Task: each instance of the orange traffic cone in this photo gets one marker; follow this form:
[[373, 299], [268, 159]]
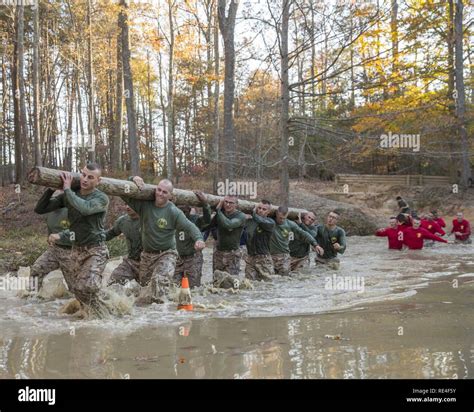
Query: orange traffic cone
[[184, 298]]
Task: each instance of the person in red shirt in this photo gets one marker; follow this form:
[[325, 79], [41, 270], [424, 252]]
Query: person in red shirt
[[438, 219], [461, 229], [413, 236], [393, 233], [431, 226]]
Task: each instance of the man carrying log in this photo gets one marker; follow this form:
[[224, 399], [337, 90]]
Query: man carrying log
[[159, 220], [129, 225], [191, 260], [299, 247], [230, 223], [57, 252], [83, 267], [283, 232], [259, 264]]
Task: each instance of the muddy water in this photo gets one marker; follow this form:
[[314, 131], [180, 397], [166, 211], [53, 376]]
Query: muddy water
[[407, 321]]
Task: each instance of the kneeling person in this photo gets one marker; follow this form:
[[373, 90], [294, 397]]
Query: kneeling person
[[129, 225]]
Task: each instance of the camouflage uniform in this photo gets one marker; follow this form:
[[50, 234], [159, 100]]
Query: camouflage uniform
[[157, 268], [227, 261], [159, 255], [130, 266], [299, 262], [281, 264], [83, 269], [259, 267], [53, 258], [128, 270], [192, 265]]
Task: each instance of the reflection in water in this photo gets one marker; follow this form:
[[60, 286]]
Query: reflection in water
[[251, 348]]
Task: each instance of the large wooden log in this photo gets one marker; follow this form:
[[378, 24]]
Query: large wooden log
[[114, 187]]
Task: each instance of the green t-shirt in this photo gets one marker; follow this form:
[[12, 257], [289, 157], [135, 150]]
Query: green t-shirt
[[229, 229], [159, 224], [283, 233], [259, 231], [131, 229], [326, 238], [184, 242], [299, 247], [86, 214]]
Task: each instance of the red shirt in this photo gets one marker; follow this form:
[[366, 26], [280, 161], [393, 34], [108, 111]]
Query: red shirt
[[395, 237], [440, 221], [432, 227], [413, 238], [463, 227]]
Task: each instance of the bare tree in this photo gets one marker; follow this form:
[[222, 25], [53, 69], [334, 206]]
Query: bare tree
[[36, 88], [227, 29], [285, 105], [128, 84], [460, 93]]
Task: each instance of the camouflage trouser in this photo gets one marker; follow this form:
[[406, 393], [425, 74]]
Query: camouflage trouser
[[281, 264], [83, 269], [333, 263], [53, 258], [129, 269], [259, 267], [227, 261], [158, 270], [299, 262], [192, 265]]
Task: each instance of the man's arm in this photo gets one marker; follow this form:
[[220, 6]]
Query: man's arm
[[47, 204], [204, 221], [234, 223], [304, 235], [381, 232], [312, 230], [114, 231], [183, 223], [87, 207], [428, 235], [266, 223], [342, 241]]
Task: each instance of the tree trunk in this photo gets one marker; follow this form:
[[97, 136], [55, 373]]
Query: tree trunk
[[227, 29], [285, 105], [18, 129], [129, 98], [171, 161], [215, 150], [116, 156], [460, 95], [36, 88], [114, 187], [90, 78]]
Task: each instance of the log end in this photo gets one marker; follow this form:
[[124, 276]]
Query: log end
[[33, 175]]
